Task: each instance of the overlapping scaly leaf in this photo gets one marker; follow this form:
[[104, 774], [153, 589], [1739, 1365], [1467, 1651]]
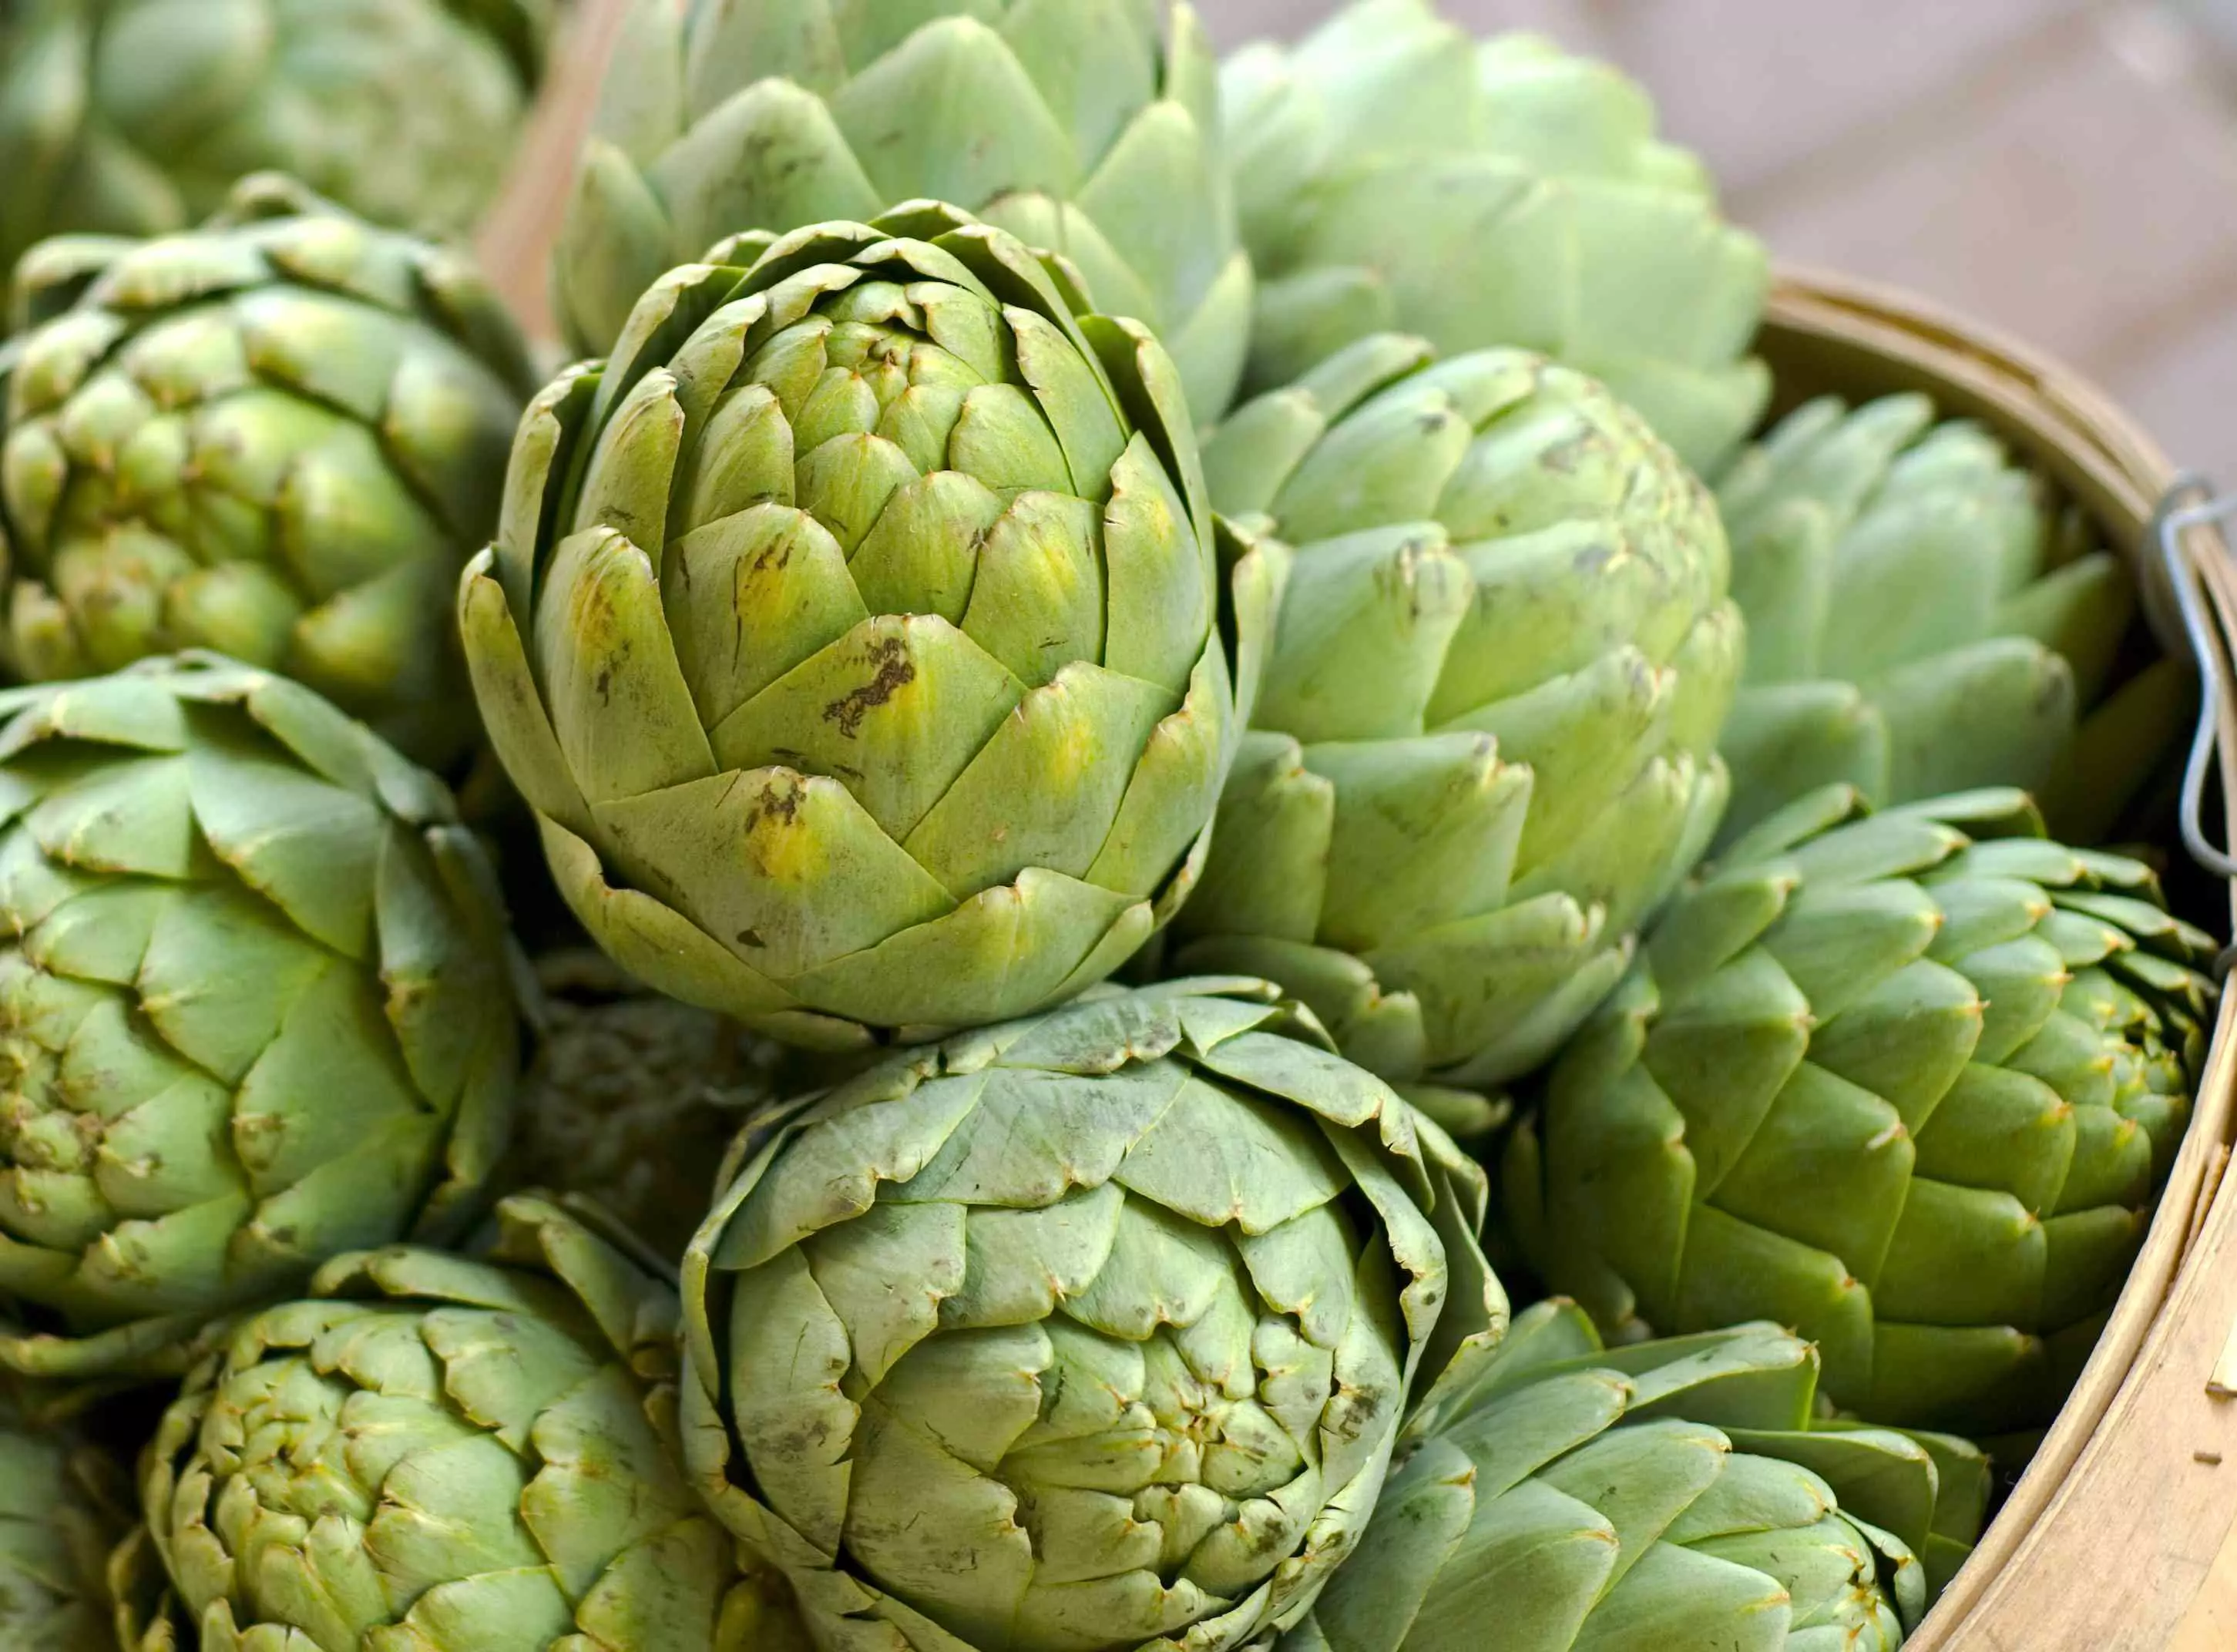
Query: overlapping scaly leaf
[[439, 1451], [64, 1503], [1090, 127], [1673, 1494], [1923, 620], [1908, 1083], [857, 634], [1392, 173], [256, 1007], [1484, 750], [279, 436], [1094, 1330]]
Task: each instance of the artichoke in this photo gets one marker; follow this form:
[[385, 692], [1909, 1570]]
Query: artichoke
[[1483, 749], [62, 1506], [256, 1007], [1922, 621], [855, 633], [1088, 126], [1907, 1082], [1092, 1332], [279, 437], [1392, 173], [634, 1098], [134, 117], [438, 1451], [1674, 1495]]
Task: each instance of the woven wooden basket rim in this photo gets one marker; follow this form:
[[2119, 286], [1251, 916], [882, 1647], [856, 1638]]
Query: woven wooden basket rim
[[1831, 332]]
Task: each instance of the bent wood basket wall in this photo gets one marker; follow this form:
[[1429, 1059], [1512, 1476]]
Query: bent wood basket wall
[[2122, 1536]]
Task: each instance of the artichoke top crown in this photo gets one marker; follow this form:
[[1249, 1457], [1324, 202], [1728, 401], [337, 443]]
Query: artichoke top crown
[[259, 1005], [1484, 748], [1673, 1493], [1387, 79], [526, 1486], [272, 230], [1108, 1320], [1862, 1044], [276, 437], [1393, 174], [1925, 617], [1088, 126], [863, 611]]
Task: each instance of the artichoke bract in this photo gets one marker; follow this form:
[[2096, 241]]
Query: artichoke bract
[[435, 1450], [1393, 174], [134, 117], [634, 1098], [278, 437], [856, 635], [1090, 127], [257, 1007], [63, 1505], [1091, 1331], [1675, 1494], [1908, 1083], [1921, 620], [1483, 748]]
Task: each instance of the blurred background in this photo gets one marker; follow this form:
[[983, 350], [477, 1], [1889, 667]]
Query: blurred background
[[2065, 168]]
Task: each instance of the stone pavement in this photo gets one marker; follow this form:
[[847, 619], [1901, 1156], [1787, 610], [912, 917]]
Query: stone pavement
[[2065, 169]]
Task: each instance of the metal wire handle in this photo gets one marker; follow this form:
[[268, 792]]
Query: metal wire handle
[[2193, 503]]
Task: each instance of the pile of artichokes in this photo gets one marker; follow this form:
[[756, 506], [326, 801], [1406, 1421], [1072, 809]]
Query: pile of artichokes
[[1147, 881]]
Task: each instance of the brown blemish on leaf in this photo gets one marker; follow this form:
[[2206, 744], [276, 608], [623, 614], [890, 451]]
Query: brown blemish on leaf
[[778, 802], [893, 672]]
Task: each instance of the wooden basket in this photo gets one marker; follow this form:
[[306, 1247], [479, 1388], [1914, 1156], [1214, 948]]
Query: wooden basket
[[2123, 1533]]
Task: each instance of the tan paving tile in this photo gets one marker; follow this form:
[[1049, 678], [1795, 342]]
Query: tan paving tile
[[1758, 85], [2071, 210], [1755, 85], [2186, 393]]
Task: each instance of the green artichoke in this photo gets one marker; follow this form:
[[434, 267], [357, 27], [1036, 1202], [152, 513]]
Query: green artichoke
[[635, 1097], [134, 117], [856, 635], [1392, 173], [63, 1507], [1907, 1082], [279, 437], [438, 1451], [1922, 621], [1090, 127], [1483, 749], [1671, 1496], [256, 1007], [1092, 1332]]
